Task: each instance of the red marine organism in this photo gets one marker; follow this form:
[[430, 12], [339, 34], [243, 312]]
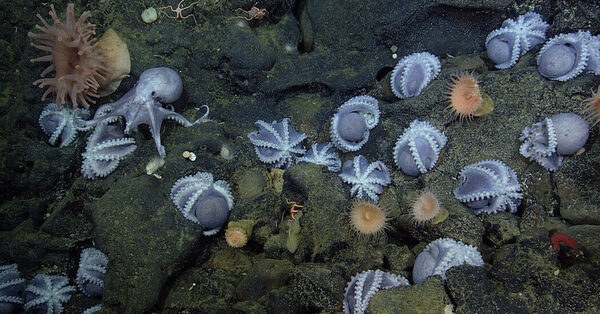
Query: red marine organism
[[562, 238]]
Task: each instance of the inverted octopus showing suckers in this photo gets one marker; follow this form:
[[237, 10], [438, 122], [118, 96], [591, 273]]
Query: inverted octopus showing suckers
[[203, 201], [63, 123], [91, 272], [106, 147], [351, 124], [547, 142], [489, 187], [363, 286], [324, 155], [277, 143], [11, 288], [565, 56], [367, 179], [506, 44], [413, 73], [46, 294], [419, 147], [441, 255]]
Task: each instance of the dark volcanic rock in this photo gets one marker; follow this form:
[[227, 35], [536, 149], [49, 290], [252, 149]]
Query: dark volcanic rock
[[428, 297], [484, 297], [317, 287], [145, 238], [532, 264]]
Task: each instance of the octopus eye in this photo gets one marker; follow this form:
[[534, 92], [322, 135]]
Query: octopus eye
[[153, 94]]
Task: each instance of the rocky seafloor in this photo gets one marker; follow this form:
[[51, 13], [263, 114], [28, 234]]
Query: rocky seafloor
[[302, 61]]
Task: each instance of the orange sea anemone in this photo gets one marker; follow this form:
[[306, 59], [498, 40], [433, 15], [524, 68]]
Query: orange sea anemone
[[592, 107], [425, 208], [465, 96], [368, 219], [239, 232], [77, 64], [236, 238]]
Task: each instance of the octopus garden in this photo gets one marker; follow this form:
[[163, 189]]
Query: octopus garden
[[344, 168]]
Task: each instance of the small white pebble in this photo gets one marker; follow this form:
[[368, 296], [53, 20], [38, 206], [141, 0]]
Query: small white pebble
[[149, 15], [289, 48], [153, 165], [226, 151]]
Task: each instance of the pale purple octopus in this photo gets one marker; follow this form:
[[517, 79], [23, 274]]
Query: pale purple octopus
[[413, 73], [106, 147], [351, 124], [506, 44], [367, 180], [489, 187], [418, 149], [277, 143], [363, 286], [46, 294], [93, 309], [203, 201], [441, 255], [63, 123], [11, 287], [143, 104], [90, 275], [322, 154], [565, 56], [547, 142]]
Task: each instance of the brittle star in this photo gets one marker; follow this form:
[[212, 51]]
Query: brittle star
[[178, 11], [293, 210]]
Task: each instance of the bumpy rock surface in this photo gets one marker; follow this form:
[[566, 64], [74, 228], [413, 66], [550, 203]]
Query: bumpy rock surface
[[428, 297], [301, 62]]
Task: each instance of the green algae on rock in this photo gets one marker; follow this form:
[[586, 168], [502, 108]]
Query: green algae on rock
[[250, 182], [428, 297]]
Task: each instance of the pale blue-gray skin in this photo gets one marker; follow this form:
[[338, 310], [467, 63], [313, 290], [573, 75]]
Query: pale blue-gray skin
[[547, 142], [277, 143], [488, 187], [418, 149], [94, 309], [367, 180], [203, 201], [413, 73], [90, 275], [63, 123], [46, 294], [363, 286], [105, 148], [350, 125], [565, 56], [143, 104], [406, 162], [322, 154], [11, 287], [572, 132], [506, 44], [441, 255], [211, 209]]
